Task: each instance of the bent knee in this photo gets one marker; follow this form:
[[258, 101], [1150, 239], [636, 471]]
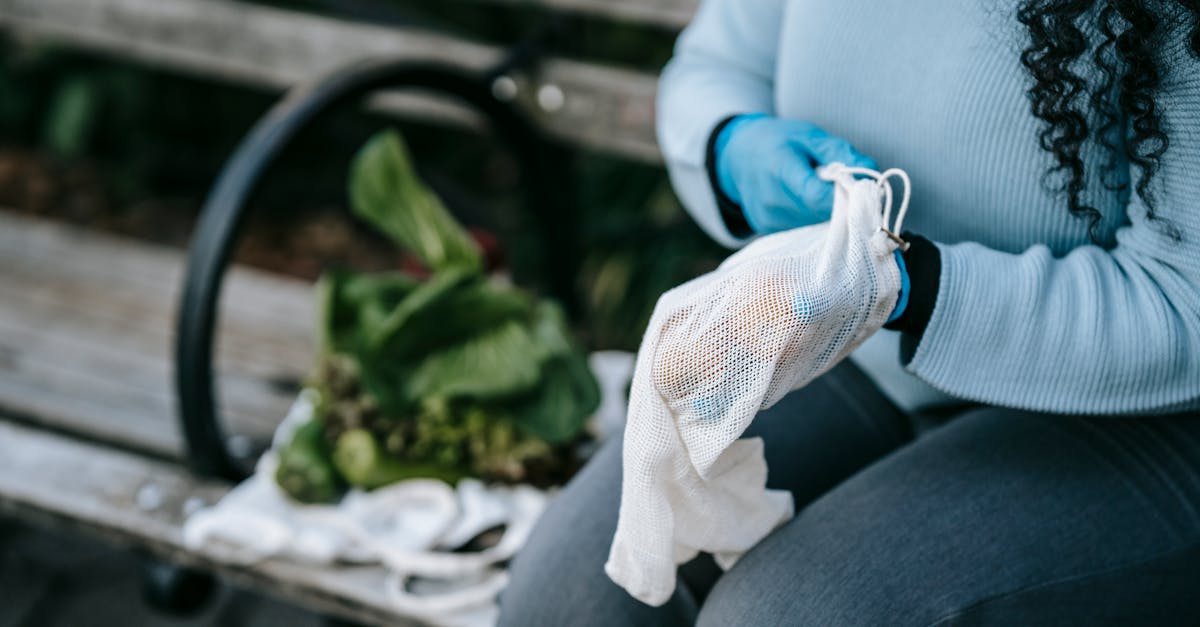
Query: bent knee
[[554, 577], [778, 586], [558, 577]]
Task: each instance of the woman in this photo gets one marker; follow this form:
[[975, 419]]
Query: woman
[[1054, 303]]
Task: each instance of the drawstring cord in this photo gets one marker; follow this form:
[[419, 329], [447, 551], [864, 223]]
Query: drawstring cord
[[883, 179]]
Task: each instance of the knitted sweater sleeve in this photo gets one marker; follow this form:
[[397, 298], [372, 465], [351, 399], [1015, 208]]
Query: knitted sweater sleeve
[[724, 65], [1106, 331]]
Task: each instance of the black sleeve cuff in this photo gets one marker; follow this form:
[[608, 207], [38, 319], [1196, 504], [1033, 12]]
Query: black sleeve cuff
[[731, 212], [924, 264]]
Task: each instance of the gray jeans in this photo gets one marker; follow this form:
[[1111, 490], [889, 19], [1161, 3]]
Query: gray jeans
[[996, 517]]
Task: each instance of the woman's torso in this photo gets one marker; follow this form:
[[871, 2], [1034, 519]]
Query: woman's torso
[[937, 87]]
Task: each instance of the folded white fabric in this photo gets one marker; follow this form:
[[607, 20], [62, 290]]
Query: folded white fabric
[[721, 348], [411, 528]]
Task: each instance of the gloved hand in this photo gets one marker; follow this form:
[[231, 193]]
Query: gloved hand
[[767, 165], [726, 345]]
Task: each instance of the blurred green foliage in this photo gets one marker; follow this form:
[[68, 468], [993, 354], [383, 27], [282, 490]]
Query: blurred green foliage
[[154, 135], [148, 131]]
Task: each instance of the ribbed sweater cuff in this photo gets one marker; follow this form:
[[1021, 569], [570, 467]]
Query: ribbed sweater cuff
[[924, 264], [731, 212]]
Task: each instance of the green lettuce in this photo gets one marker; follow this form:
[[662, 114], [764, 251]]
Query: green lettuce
[[458, 374]]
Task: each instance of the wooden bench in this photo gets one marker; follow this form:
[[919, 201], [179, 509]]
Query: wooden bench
[[89, 434]]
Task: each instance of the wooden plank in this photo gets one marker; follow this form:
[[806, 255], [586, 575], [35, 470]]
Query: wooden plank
[[87, 334], [671, 14], [129, 499], [604, 108]]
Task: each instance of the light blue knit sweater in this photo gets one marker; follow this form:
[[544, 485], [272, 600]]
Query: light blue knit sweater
[[1030, 314]]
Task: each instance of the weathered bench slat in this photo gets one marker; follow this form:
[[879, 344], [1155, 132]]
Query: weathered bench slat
[[86, 324], [601, 107], [46, 477], [666, 13]]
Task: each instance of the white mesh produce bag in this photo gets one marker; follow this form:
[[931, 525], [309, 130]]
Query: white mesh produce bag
[[721, 348]]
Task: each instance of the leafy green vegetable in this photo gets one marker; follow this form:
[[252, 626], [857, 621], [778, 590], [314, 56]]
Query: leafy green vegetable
[[385, 192], [467, 309], [552, 412], [348, 304], [457, 375], [501, 362], [367, 465], [305, 471]]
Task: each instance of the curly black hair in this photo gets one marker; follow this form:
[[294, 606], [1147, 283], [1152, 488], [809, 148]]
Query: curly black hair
[[1129, 69]]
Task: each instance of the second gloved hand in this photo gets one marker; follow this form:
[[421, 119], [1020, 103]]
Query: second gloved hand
[[767, 165]]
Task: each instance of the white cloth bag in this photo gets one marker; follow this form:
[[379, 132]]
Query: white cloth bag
[[411, 528], [721, 348]]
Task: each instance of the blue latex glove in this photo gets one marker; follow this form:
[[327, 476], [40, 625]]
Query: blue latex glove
[[767, 166]]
